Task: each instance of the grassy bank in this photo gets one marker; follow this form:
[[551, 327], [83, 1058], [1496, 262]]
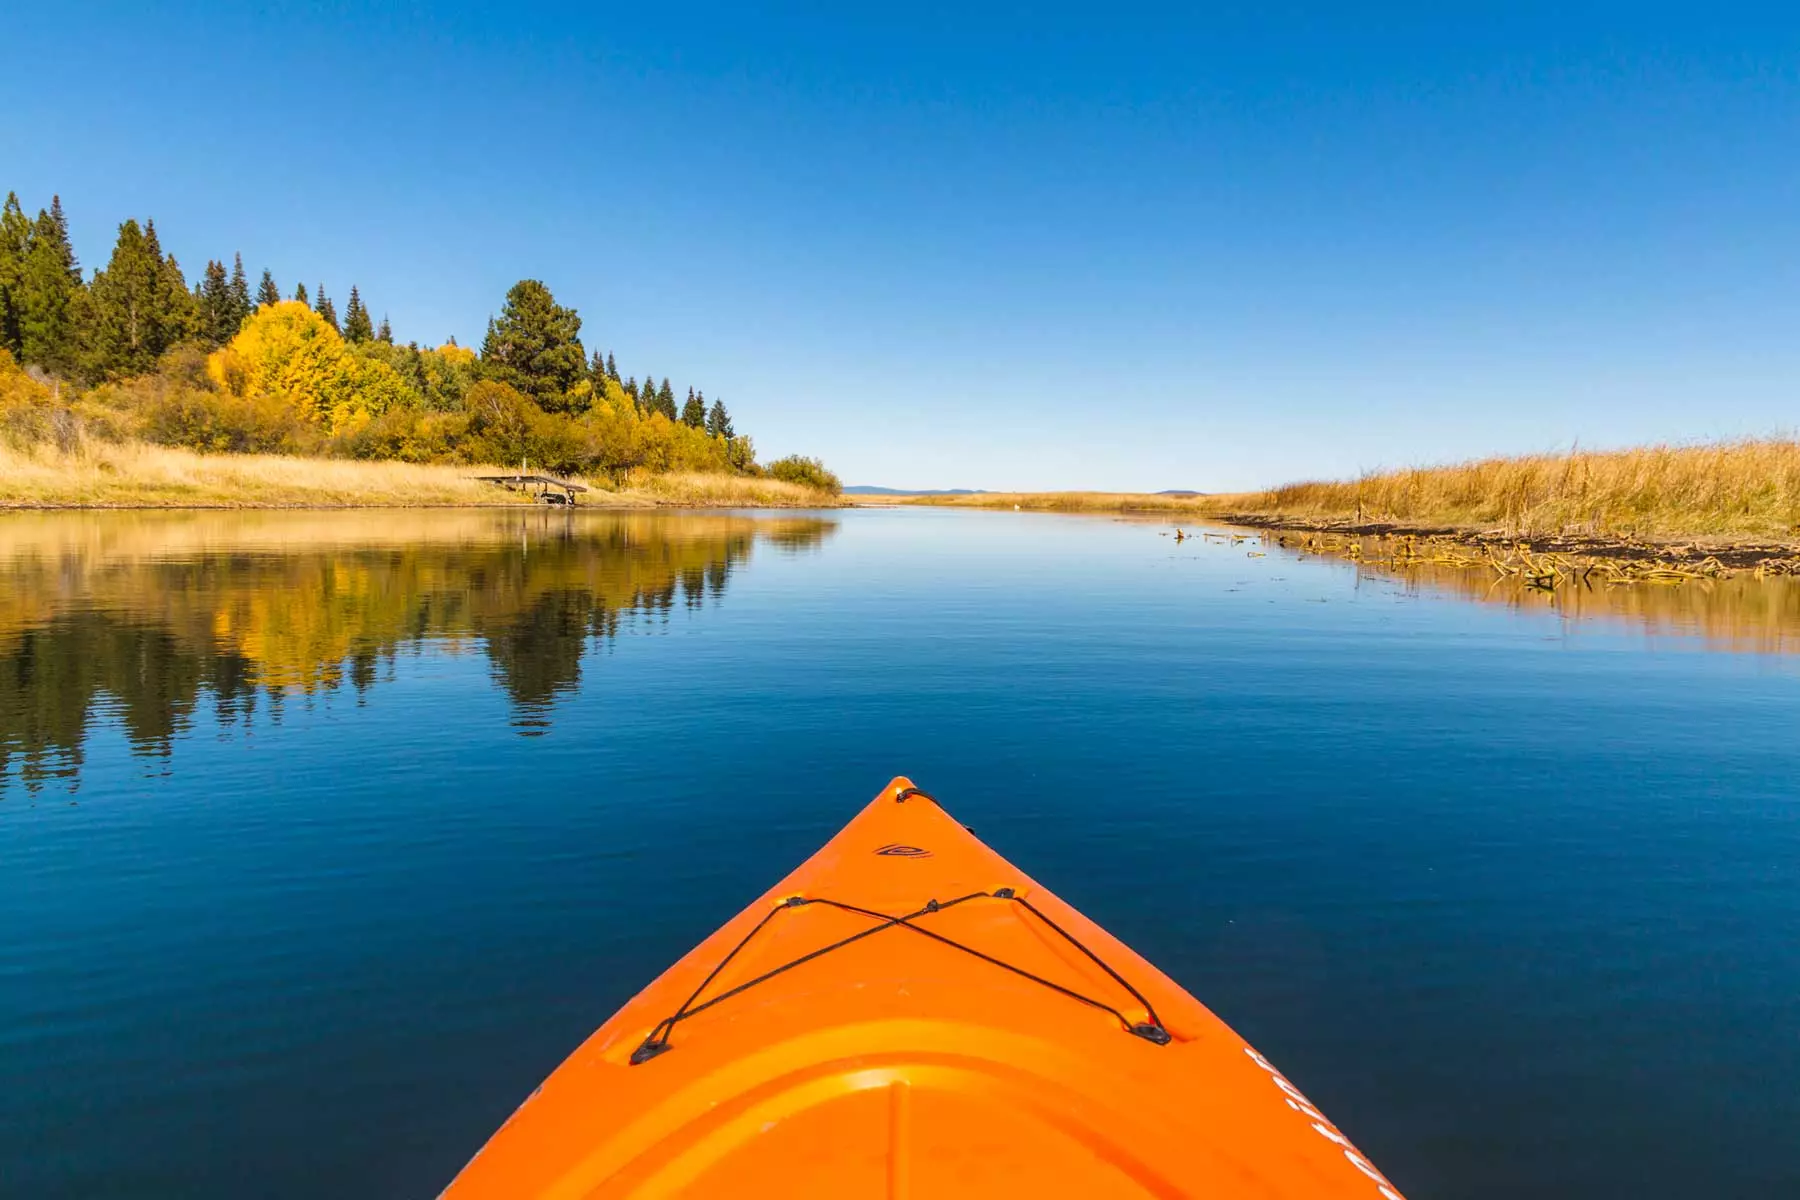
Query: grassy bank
[[1084, 502], [1732, 490], [136, 475], [1747, 488]]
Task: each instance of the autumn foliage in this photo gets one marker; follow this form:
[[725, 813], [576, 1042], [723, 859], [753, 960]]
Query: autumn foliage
[[133, 354]]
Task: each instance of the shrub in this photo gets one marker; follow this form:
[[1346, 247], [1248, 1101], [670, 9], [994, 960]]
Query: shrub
[[807, 472]]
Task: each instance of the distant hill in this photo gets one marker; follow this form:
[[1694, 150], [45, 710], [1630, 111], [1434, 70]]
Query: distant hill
[[864, 489]]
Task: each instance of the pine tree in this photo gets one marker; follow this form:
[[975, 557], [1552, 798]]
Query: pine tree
[[325, 308], [535, 345], [356, 320], [693, 413], [385, 333], [267, 292], [48, 292], [122, 336], [612, 368], [214, 315], [718, 421], [179, 315], [665, 400], [240, 293], [15, 244], [300, 294], [631, 389]]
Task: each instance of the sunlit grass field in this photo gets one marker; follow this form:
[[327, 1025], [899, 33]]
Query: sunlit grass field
[[134, 475], [1747, 488]]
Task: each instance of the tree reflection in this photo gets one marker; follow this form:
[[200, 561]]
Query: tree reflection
[[143, 621]]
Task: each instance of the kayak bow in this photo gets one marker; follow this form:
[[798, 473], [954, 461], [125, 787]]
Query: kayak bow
[[909, 1015]]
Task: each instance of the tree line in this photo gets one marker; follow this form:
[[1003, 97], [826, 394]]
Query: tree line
[[226, 366]]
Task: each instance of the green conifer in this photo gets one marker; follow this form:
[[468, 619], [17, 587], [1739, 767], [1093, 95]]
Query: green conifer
[[612, 368], [300, 294], [357, 327], [214, 311], [240, 293], [176, 310], [718, 421], [15, 244], [49, 287], [693, 413], [385, 333], [325, 308], [267, 292], [535, 346], [665, 401], [124, 334]]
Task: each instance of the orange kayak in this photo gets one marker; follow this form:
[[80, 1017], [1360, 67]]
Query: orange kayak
[[910, 1015]]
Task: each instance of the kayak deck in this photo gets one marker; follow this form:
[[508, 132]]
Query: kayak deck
[[909, 1015]]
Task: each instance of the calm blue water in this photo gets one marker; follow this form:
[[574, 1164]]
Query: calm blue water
[[1515, 899]]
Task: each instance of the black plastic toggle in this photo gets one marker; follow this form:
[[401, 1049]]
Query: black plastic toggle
[[1003, 893], [649, 1050], [794, 902], [1152, 1032], [931, 906]]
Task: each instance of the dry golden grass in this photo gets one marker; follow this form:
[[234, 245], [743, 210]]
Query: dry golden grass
[[694, 490], [134, 475], [104, 475], [1089, 502], [1744, 488], [1740, 489]]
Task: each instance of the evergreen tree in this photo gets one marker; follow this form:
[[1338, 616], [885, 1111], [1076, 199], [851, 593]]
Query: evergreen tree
[[694, 412], [267, 292], [356, 320], [665, 400], [612, 368], [300, 294], [121, 337], [179, 315], [325, 308], [385, 333], [214, 309], [48, 293], [15, 244], [631, 389], [240, 293], [535, 346], [718, 421]]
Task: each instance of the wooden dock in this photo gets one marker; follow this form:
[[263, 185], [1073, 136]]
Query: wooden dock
[[546, 487]]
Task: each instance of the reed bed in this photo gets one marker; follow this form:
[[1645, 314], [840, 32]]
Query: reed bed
[[1728, 489]]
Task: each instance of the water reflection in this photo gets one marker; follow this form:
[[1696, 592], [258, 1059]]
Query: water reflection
[[1738, 612], [147, 619]]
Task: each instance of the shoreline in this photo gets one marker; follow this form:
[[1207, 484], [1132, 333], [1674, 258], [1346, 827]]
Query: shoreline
[[1701, 554], [644, 504], [103, 477], [1536, 555]]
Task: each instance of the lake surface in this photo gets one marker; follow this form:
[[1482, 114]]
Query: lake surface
[[324, 837]]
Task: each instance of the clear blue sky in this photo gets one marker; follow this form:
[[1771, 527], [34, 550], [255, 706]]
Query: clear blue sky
[[1024, 245]]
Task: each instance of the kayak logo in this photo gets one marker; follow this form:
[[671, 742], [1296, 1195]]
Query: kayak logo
[[896, 850]]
